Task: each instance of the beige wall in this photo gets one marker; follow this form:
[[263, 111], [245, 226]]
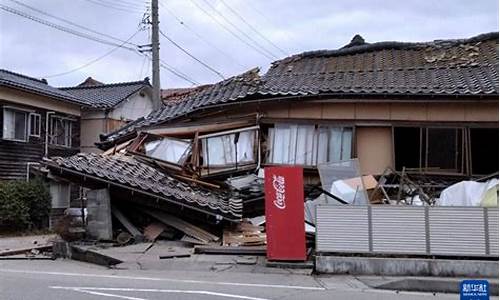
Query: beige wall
[[92, 125], [374, 149], [90, 130], [23, 98], [432, 112]]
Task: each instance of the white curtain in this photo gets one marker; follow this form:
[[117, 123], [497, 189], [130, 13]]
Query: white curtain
[[221, 151], [8, 124], [307, 145]]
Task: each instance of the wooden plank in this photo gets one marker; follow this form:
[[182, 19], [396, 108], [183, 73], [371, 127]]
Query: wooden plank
[[181, 225], [175, 255], [153, 231], [241, 250], [126, 223], [25, 250]]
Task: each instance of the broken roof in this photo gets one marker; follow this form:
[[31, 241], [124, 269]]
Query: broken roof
[[465, 67], [127, 172], [106, 95], [36, 86]]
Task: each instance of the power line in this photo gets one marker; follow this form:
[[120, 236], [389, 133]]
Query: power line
[[69, 22], [60, 27], [123, 4], [239, 29], [89, 37], [271, 22], [252, 27], [192, 56], [113, 7], [199, 36], [231, 31], [92, 61]]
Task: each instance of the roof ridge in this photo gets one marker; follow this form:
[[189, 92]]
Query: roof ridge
[[368, 47], [41, 80], [107, 85]]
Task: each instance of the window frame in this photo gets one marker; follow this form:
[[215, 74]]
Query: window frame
[[26, 123], [315, 142], [204, 149], [424, 149], [69, 138], [38, 124]]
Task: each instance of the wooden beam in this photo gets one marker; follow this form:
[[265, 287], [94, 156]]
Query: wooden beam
[[127, 224]]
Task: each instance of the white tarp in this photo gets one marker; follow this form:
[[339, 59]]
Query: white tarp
[[466, 193]]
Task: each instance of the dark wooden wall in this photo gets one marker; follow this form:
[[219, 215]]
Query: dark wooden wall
[[15, 155]]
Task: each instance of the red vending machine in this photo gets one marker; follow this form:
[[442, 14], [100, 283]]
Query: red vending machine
[[285, 231]]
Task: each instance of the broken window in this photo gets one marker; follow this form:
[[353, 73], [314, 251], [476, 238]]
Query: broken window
[[484, 150], [429, 149], [308, 145], [168, 149], [231, 149]]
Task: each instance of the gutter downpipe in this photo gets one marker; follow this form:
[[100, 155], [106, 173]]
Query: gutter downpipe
[[28, 165], [47, 115]]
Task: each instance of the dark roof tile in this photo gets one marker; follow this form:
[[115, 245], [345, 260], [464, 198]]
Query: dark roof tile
[[37, 86], [106, 95], [129, 171]]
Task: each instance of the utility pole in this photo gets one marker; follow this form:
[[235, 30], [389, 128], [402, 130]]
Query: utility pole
[[155, 47]]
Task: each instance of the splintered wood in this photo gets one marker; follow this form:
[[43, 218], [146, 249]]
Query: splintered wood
[[244, 234]]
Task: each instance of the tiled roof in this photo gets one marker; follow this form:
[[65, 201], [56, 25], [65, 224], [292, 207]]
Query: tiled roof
[[36, 86], [106, 95], [176, 95], [228, 90], [467, 67], [447, 67], [127, 171]]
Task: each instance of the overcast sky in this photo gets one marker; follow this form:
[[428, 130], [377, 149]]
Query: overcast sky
[[275, 26]]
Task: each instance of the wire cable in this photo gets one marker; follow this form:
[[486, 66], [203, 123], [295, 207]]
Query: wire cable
[[239, 29], [223, 26], [113, 7], [252, 27], [192, 56], [92, 61], [199, 36], [69, 22], [89, 37], [60, 27]]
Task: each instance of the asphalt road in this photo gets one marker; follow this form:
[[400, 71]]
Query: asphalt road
[[65, 279]]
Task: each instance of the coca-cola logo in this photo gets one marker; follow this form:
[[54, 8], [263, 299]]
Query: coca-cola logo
[[279, 189]]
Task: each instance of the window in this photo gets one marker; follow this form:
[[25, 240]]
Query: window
[[60, 131], [429, 149], [229, 149], [15, 124], [34, 124], [168, 149], [308, 145]]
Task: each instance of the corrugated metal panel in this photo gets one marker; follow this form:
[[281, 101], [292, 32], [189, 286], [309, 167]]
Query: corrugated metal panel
[[457, 231], [398, 229], [493, 230], [342, 229]]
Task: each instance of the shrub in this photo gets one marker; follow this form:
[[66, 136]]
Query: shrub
[[24, 204]]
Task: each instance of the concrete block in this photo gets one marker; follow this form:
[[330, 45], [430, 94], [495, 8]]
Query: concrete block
[[99, 225], [406, 266]]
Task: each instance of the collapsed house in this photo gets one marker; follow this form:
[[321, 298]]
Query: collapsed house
[[421, 109]]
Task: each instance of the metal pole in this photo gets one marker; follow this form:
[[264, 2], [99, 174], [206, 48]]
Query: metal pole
[[155, 45]]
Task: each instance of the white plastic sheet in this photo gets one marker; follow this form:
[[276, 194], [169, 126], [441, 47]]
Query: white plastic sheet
[[466, 193]]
